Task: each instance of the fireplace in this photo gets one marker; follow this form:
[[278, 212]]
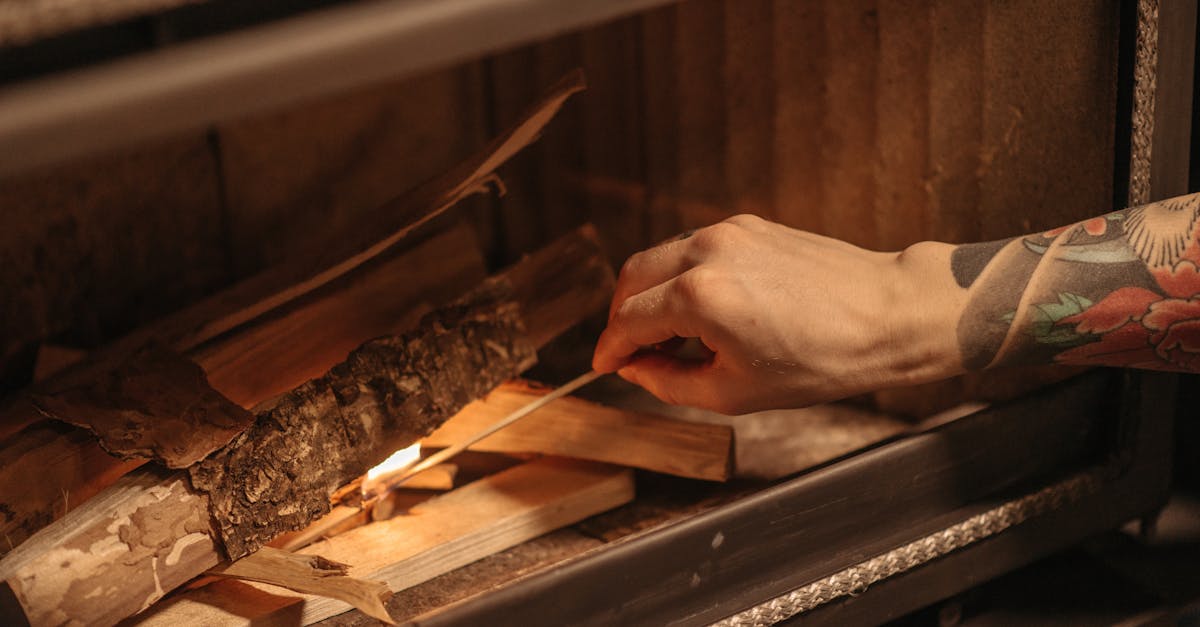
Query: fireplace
[[163, 157]]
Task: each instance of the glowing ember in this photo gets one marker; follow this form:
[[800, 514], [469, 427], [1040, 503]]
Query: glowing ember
[[397, 462]]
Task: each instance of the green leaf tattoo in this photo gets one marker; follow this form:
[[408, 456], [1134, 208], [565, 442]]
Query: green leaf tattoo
[[1043, 324]]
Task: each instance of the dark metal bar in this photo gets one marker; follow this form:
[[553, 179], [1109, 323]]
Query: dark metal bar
[[191, 85]]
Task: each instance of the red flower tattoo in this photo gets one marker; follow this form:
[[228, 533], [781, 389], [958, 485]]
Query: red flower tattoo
[[1143, 329]]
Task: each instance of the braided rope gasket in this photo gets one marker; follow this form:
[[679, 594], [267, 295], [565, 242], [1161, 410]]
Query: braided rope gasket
[[1145, 84], [858, 578]]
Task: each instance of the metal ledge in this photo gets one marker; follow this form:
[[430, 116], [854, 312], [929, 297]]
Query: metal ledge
[[192, 85]]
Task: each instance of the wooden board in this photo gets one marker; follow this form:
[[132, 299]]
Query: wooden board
[[273, 292], [777, 539], [148, 534], [311, 574], [256, 363], [561, 303], [439, 535], [573, 427], [33, 495]]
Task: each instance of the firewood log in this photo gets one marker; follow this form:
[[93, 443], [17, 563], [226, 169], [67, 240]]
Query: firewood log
[[439, 535], [140, 531], [221, 319]]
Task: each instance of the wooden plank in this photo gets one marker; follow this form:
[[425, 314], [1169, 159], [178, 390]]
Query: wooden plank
[[779, 538], [149, 531], [573, 427], [442, 534], [271, 292], [310, 574], [142, 522], [561, 283], [556, 302]]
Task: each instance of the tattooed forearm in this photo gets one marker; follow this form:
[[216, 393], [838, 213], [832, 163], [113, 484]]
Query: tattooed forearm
[[1118, 290]]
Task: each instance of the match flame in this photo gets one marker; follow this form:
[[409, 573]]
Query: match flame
[[397, 462]]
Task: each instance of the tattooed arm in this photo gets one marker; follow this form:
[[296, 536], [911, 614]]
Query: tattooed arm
[[1118, 290], [794, 318]]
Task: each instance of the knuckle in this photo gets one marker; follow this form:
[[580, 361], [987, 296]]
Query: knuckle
[[695, 285], [620, 317], [714, 237], [745, 220], [631, 265]]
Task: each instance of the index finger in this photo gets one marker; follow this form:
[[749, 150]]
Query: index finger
[[644, 319], [649, 268]]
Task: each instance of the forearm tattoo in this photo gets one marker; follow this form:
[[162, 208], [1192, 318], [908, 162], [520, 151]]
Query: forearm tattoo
[[1119, 290]]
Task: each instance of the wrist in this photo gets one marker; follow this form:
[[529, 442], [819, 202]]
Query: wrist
[[927, 304]]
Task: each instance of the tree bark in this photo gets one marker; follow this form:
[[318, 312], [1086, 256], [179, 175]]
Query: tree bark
[[441, 534], [160, 510], [277, 291], [277, 476]]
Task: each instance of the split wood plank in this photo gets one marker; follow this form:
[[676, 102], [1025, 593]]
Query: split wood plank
[[46, 470], [440, 535], [310, 574], [439, 477], [281, 285], [252, 299], [574, 285], [573, 427], [355, 245], [298, 345], [119, 552], [274, 355], [115, 555]]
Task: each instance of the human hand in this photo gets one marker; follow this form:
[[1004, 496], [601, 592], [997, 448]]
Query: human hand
[[792, 318]]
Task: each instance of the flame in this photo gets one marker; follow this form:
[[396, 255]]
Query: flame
[[397, 462]]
